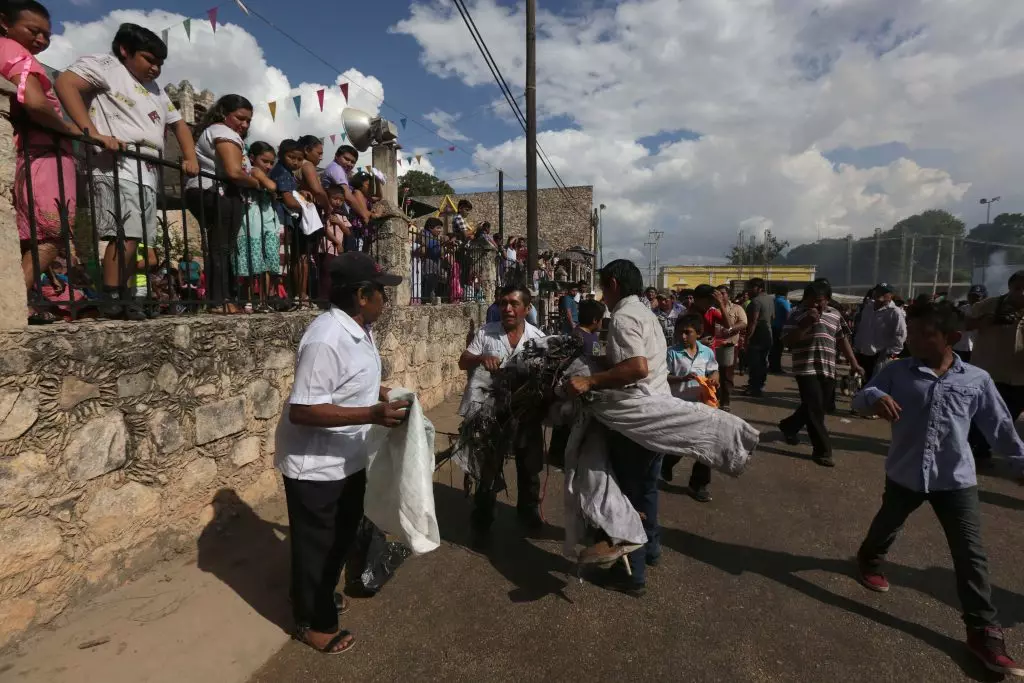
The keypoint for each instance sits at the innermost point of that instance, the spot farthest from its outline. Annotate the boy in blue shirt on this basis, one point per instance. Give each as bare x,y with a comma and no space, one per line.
931,399
688,359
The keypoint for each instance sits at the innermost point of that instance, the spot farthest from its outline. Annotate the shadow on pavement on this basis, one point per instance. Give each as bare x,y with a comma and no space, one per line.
784,568
533,570
243,550
1000,499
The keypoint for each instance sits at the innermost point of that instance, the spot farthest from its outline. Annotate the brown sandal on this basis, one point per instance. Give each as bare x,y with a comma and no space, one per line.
302,633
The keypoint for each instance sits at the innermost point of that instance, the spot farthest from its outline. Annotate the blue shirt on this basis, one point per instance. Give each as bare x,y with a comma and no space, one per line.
681,363
929,450
286,183
493,314
568,303
782,309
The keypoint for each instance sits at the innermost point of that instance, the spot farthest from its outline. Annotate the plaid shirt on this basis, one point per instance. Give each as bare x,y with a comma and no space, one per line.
815,354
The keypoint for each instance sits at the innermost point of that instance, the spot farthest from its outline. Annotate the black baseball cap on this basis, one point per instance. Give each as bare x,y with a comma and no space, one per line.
980,290
883,288
354,267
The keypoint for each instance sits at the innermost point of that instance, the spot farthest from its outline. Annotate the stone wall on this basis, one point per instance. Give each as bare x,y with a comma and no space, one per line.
562,222
115,436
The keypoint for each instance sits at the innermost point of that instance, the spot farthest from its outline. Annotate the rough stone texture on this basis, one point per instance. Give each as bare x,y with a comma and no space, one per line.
98,447
18,412
220,419
560,222
265,399
92,479
74,391
246,451
25,543
114,511
12,284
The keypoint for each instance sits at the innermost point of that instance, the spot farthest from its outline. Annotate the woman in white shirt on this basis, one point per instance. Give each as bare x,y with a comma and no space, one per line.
215,197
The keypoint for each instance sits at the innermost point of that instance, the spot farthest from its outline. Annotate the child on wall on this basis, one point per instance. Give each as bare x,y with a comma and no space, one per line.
256,259
116,98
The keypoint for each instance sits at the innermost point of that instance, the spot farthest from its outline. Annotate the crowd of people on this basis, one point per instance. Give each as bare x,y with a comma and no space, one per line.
263,211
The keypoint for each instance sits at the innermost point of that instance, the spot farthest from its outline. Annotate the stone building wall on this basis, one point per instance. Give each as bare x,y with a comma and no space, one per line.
561,222
115,436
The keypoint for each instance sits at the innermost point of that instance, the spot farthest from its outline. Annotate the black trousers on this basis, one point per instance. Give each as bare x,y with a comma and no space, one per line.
868,363
959,514
220,218
323,517
775,357
529,463
1013,396
700,474
815,393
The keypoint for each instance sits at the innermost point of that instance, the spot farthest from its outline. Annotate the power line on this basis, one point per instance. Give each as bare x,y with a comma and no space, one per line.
301,45
513,104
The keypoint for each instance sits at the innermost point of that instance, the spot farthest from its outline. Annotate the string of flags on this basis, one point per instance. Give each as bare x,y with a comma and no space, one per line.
212,16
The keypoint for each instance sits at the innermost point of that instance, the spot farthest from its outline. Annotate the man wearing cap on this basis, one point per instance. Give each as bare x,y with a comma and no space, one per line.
965,346
321,442
493,344
881,332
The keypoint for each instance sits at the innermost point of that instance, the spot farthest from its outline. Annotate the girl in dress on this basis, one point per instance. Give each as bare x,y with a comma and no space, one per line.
257,250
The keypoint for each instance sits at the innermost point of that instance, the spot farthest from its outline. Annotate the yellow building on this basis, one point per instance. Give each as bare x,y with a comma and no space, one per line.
688,277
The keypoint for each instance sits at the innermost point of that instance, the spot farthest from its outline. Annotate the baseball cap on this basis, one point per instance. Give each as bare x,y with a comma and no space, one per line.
353,267
980,290
883,288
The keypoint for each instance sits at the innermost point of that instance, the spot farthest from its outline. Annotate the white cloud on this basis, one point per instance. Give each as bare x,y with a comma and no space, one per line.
445,123
771,87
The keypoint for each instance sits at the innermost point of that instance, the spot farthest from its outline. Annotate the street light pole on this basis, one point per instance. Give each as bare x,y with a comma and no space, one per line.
988,202
532,232
600,236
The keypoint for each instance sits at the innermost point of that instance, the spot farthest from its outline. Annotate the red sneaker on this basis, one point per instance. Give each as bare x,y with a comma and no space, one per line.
872,580
988,645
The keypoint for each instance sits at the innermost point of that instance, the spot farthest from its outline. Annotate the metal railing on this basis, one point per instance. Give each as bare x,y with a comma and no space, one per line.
243,250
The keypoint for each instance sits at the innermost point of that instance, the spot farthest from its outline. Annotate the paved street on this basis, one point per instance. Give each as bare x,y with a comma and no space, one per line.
755,586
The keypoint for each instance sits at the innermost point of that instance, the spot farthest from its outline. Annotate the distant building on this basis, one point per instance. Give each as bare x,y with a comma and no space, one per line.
564,220
689,276
192,106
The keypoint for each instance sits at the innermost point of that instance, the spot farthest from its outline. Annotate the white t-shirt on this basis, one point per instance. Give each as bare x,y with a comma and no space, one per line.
491,340
130,111
337,363
206,153
634,331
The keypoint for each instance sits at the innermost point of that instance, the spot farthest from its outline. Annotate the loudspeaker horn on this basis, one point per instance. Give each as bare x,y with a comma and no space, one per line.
357,126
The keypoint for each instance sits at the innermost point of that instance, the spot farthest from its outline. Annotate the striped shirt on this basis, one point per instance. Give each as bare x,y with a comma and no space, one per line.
815,354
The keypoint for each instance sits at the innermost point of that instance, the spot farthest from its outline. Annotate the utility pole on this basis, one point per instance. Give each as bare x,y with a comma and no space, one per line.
501,210
913,244
532,233
952,262
903,261
652,256
878,252
938,255
849,262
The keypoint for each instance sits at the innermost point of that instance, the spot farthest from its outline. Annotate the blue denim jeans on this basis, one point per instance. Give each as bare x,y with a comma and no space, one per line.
636,470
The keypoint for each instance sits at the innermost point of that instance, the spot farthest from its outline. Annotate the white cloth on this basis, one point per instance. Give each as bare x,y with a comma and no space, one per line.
309,218
490,340
635,331
206,153
399,495
337,363
660,423
967,338
130,111
882,331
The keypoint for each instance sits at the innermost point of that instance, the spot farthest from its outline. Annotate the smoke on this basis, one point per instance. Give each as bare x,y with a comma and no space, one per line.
997,273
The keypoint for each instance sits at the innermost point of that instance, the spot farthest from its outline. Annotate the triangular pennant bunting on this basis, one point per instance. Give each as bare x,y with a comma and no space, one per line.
188,28
451,149
298,104
163,35
419,158
320,97
344,136
332,138
273,110
403,121
212,14
242,6
344,91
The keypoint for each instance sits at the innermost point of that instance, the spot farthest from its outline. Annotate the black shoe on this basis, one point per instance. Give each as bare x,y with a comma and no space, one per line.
530,518
824,460
792,438
616,580
652,561
666,473
111,306
134,311
701,495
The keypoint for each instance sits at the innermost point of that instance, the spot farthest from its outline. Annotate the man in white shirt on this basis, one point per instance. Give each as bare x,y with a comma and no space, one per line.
493,344
321,442
637,357
881,331
115,98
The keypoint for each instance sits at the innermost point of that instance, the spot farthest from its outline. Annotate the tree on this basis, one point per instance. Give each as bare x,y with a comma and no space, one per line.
420,184
1007,228
757,254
